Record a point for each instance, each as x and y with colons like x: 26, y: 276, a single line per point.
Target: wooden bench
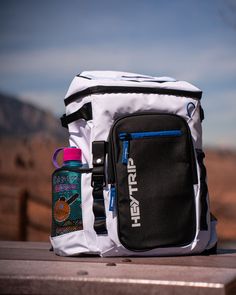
x: 30, y: 268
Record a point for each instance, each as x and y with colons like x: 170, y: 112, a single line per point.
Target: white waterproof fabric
x: 106, y: 108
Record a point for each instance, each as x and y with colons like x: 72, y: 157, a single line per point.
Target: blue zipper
x: 126, y: 137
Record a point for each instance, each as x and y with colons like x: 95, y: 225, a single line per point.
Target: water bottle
x: 66, y: 193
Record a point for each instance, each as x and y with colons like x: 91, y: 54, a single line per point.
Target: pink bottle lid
x: 72, y: 154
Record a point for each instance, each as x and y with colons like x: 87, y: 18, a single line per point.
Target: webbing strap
x: 85, y: 112
x: 203, y: 191
x: 98, y: 182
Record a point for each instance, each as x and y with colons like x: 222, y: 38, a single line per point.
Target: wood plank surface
x: 30, y: 268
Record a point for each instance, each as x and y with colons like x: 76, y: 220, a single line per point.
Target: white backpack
x: 147, y: 192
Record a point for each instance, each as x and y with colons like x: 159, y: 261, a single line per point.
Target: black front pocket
x: 153, y: 172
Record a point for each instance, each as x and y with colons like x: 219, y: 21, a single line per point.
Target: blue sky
x: 43, y: 44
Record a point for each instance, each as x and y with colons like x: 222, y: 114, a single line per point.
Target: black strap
x: 85, y: 112
x: 77, y: 169
x: 98, y: 182
x: 203, y: 190
x: 202, y: 116
x: 101, y: 89
x: 211, y: 251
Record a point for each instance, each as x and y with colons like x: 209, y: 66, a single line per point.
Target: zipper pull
x: 125, y: 152
x: 125, y: 149
x: 112, y: 198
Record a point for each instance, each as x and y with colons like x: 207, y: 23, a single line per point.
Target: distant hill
x: 18, y: 118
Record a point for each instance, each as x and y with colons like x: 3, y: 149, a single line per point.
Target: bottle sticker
x: 67, y: 212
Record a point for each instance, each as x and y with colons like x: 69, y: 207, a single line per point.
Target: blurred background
x: 44, y: 44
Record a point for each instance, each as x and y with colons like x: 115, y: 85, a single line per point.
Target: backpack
x: 145, y: 193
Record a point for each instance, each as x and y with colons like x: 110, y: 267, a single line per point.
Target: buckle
x: 98, y: 181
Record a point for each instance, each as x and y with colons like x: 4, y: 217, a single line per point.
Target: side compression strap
x: 203, y: 190
x: 85, y: 112
x: 98, y: 183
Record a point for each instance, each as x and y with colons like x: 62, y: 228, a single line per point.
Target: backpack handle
x: 123, y: 76
x: 147, y: 79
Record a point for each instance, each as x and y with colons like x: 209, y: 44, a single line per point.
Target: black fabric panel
x: 165, y: 177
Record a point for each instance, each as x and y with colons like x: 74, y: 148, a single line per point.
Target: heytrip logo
x: 133, y: 188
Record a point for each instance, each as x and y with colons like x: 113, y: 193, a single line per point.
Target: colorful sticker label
x: 66, y: 207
